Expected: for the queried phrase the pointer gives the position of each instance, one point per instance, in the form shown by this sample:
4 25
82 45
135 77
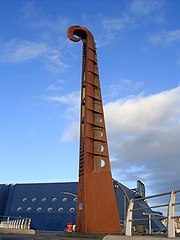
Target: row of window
39 209
45 199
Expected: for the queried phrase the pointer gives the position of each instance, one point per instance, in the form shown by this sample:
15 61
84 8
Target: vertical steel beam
97 210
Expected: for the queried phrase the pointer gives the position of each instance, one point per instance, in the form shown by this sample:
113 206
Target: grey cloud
147 147
144 136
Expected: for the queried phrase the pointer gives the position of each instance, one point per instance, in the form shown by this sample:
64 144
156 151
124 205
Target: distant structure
97 210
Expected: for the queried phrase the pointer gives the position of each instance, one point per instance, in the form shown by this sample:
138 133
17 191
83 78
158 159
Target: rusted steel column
97 210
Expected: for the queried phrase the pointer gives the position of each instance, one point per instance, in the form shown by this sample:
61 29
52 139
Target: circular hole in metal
29 209
75 199
44 199
60 209
99 120
54 199
102 148
39 209
72 209
24 199
34 199
19 209
100 134
65 199
49 209
102 163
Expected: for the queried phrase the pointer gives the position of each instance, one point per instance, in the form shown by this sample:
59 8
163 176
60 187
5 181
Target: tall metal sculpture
97 210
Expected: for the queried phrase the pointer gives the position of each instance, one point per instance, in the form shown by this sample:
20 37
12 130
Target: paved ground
43 235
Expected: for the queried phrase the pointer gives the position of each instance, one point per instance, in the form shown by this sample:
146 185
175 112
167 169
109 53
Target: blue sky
138 47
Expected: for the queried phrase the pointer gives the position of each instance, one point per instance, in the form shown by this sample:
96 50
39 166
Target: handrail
152 196
147 219
9 222
170 218
163 205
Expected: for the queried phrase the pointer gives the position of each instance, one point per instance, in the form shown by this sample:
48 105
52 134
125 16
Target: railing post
7 224
171 211
128 231
29 223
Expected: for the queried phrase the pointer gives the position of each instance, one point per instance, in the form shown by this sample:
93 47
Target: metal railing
171 231
7 222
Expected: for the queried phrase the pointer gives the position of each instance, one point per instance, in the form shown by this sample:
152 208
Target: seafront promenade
43 235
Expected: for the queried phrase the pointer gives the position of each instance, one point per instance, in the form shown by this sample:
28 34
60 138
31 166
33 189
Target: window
60 209
72 209
49 209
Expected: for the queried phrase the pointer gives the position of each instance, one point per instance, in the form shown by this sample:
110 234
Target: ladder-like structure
97 210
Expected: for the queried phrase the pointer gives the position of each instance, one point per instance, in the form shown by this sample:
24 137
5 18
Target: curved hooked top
77 33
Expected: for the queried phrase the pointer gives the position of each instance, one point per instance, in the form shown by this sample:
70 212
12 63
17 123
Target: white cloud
136 14
16 51
112 27
56 86
148 111
178 62
115 24
35 18
144 134
145 7
72 113
165 37
72 99
71 133
54 62
72 102
123 86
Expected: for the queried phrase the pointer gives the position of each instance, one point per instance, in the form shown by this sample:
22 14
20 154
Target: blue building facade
52 205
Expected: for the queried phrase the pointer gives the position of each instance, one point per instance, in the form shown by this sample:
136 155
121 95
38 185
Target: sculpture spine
97 210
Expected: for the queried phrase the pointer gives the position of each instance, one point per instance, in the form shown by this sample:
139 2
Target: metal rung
157 195
147 219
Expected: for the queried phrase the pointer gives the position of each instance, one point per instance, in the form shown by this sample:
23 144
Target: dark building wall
4 191
49 205
52 205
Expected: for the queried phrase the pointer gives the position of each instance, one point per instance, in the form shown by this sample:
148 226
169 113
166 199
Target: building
52 205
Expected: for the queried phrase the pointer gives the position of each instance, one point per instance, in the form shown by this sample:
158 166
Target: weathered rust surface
97 210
